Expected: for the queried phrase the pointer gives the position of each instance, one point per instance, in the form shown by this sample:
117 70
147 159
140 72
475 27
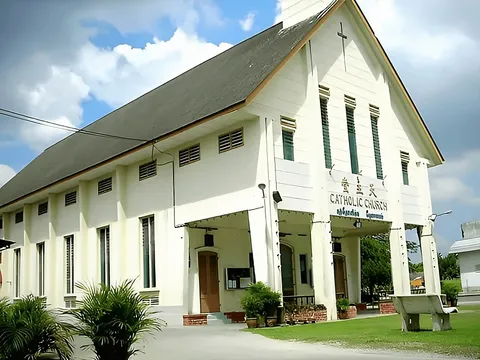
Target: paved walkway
222 342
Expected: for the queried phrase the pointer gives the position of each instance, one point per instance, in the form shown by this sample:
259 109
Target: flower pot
272 321
350 313
251 323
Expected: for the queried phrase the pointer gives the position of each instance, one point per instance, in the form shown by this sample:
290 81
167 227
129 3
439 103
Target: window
376 146
288 150
148 236
1 223
352 140
41 268
70 198
405 159
147 170
104 186
19 217
104 235
303 269
17 264
42 208
230 140
190 155
326 133
69 264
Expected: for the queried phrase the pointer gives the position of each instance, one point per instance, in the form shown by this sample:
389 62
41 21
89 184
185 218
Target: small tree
114 318
448 266
28 330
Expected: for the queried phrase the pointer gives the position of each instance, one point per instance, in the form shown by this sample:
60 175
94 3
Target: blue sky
88 60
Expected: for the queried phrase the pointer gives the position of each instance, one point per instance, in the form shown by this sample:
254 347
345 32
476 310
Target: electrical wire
38 121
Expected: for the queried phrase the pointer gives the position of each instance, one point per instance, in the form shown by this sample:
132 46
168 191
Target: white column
118 240
54 258
321 237
85 266
426 237
29 259
353 260
399 259
258 235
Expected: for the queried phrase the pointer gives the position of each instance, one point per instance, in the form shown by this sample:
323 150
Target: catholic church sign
357 197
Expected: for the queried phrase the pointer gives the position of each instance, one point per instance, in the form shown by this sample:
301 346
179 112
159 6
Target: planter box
361 307
351 313
194 319
305 317
387 308
235 316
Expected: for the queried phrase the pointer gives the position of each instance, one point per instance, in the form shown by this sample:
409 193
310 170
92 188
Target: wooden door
340 276
288 280
208 274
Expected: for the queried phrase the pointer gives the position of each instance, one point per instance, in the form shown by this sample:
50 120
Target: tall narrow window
352 140
303 269
376 147
148 235
104 235
326 133
288 151
69 264
41 268
18 261
405 159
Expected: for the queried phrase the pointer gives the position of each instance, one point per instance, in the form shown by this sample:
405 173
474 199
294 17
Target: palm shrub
28 330
114 318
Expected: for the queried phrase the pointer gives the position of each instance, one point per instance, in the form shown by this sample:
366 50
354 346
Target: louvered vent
42 208
324 91
374 110
289 123
404 156
350 101
350 120
19 217
376 146
147 170
231 140
190 155
152 300
326 133
70 304
104 186
70 198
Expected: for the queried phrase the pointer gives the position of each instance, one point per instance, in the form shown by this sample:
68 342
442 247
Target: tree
376 266
448 266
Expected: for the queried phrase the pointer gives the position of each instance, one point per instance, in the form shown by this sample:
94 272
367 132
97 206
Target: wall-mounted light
277 197
357 224
262 187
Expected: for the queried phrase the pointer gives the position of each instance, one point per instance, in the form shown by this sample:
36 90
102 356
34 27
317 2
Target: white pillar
431 271
54 258
85 266
399 259
29 259
258 236
8 258
118 242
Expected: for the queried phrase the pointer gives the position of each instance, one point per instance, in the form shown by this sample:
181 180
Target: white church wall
39 226
470 270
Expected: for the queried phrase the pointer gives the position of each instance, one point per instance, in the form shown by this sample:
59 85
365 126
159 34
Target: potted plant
114 318
272 302
29 331
253 307
451 288
345 310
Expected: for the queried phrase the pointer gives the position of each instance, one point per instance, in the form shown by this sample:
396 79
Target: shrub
451 288
343 305
28 330
259 300
114 318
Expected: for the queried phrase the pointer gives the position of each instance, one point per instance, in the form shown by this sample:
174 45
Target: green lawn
385 333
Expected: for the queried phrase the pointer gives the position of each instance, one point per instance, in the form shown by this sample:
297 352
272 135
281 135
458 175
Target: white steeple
294 11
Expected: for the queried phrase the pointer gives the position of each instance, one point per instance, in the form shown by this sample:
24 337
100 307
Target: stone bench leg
411 322
441 322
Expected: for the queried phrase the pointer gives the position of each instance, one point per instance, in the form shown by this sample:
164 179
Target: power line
38 121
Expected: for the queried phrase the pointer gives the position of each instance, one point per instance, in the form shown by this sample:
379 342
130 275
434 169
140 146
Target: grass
385 333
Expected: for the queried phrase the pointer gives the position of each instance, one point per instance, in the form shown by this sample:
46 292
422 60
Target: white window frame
69 264
148 238
41 268
104 237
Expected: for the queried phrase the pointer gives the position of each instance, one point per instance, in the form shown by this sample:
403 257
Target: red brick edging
387 308
194 319
235 316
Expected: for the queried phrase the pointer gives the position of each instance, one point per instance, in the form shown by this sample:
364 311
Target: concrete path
222 342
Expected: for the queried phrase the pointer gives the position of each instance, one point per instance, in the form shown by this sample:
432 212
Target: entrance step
217 318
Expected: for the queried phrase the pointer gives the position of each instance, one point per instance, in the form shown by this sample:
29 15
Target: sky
72 62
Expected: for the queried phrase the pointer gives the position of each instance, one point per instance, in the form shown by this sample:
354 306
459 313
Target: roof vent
147 170
43 208
70 198
104 186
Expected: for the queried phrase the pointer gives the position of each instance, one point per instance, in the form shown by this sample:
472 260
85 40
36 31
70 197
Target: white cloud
278 12
247 23
449 182
6 173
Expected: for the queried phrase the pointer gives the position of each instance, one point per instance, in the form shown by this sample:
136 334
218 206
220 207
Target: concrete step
217 319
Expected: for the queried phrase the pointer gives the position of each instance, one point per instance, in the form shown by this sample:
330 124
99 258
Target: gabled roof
465 245
219 85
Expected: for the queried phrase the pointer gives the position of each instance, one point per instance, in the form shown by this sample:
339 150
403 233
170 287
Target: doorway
286 257
208 276
340 276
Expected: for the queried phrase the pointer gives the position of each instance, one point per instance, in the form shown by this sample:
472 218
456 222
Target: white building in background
265 163
468 250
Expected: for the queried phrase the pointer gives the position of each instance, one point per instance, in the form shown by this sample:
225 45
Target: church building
266 163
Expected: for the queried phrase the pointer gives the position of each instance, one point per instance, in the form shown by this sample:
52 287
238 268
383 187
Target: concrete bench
411 306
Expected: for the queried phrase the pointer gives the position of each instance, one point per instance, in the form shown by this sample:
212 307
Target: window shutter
70 264
67 264
147 170
376 147
146 254
405 159
42 208
190 155
231 140
237 138
104 186
326 133
70 198
288 149
352 141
